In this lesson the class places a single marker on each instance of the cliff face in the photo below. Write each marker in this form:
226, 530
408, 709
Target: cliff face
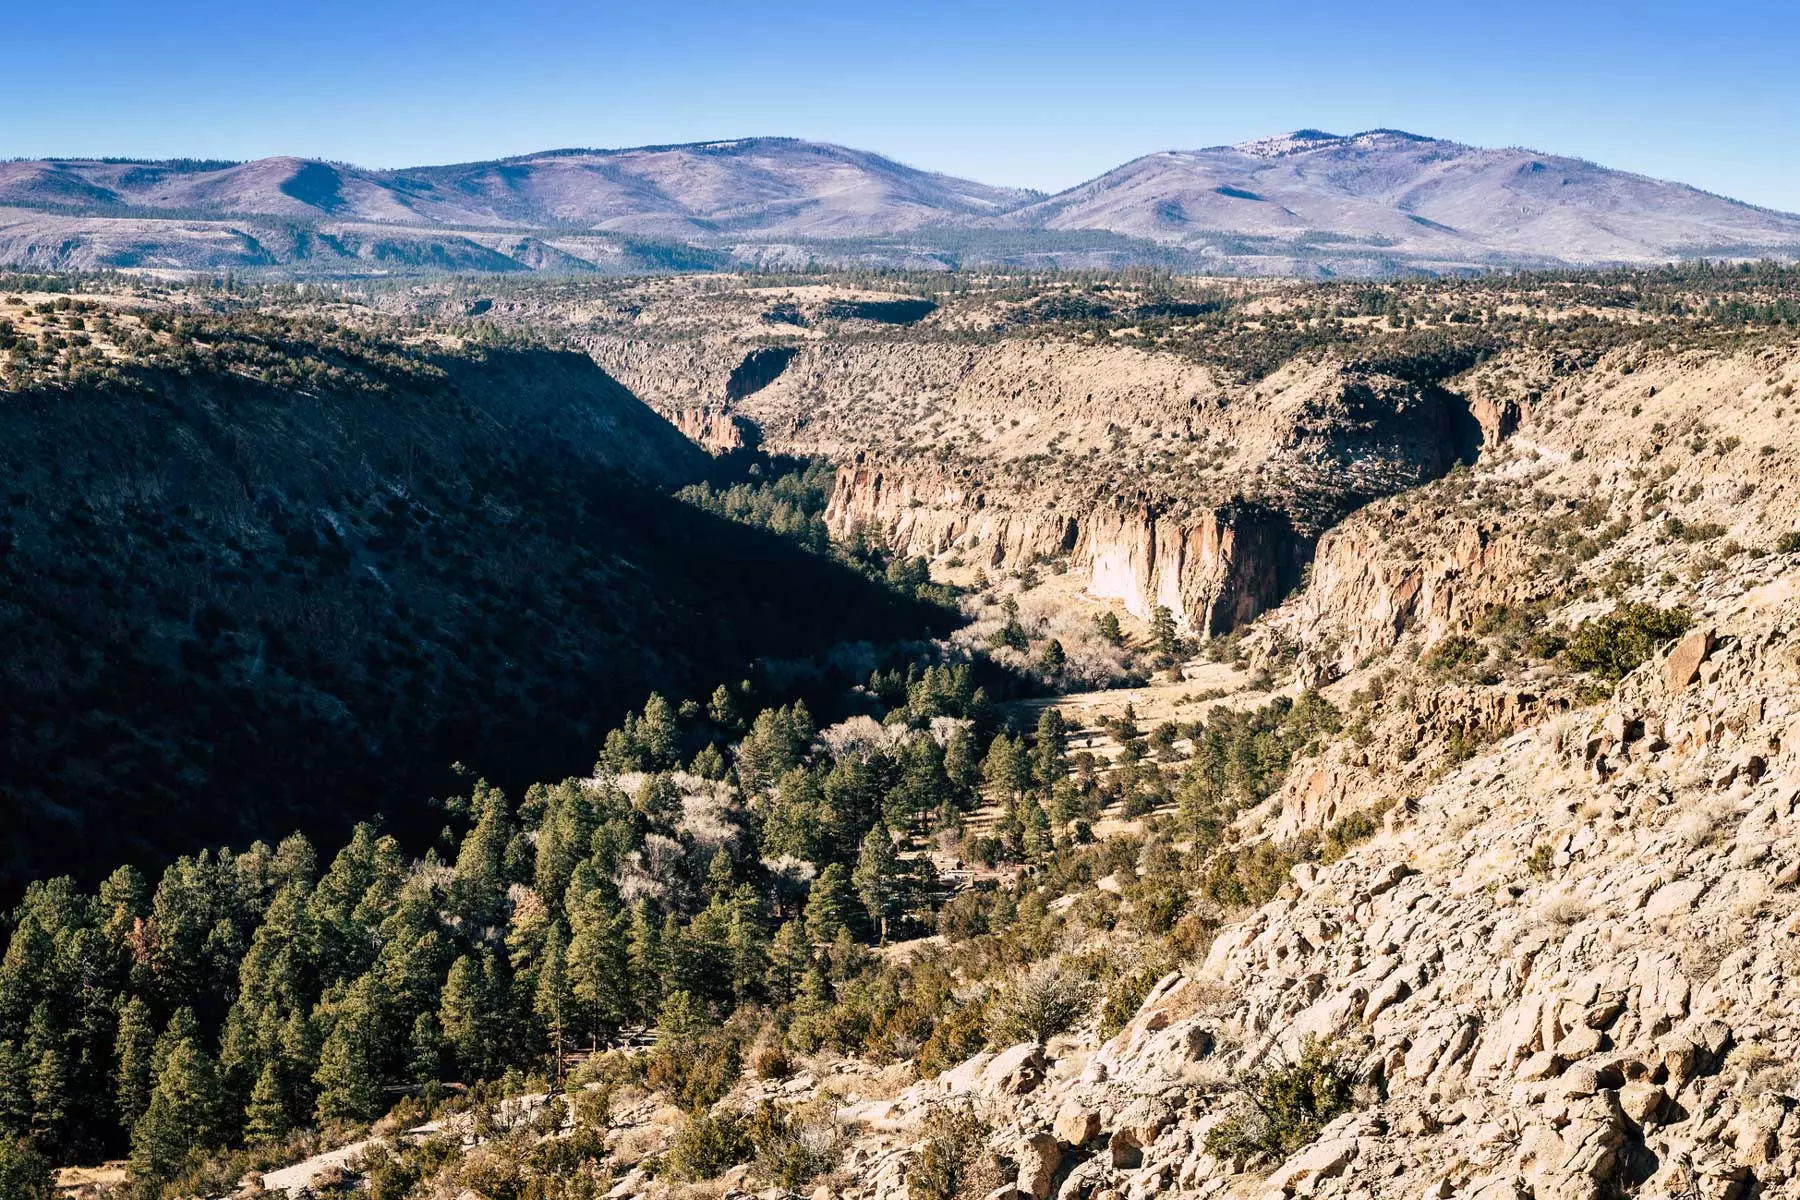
1162, 479
1214, 571
1214, 518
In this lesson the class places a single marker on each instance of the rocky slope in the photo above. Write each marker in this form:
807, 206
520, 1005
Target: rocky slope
1561, 966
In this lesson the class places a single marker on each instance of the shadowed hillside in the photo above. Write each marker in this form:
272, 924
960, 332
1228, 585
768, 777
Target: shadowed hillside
258, 573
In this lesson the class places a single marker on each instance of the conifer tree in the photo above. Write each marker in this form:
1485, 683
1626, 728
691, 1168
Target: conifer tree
183, 1112
267, 1119
790, 954
828, 906
658, 734
878, 877
599, 965
462, 1013
644, 953
24, 1173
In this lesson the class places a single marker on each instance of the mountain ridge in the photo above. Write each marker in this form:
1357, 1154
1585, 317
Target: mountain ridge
1373, 203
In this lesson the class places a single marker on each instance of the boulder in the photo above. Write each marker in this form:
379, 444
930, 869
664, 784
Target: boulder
1641, 1100
1683, 665
1015, 1070
1038, 1156
1077, 1124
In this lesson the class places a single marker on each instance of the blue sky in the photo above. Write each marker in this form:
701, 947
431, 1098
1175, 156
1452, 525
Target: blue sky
1043, 95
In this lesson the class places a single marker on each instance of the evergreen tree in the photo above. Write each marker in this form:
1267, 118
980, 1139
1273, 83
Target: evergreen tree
1006, 770
878, 877
790, 954
349, 1089
1163, 636
554, 999
463, 1016
645, 957
24, 1173
183, 1112
658, 734
599, 967
1049, 756
828, 906
267, 1119
722, 710
425, 1050
962, 765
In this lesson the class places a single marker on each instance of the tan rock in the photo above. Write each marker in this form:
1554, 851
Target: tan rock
1015, 1070
1683, 665
1641, 1100
1076, 1123
1038, 1156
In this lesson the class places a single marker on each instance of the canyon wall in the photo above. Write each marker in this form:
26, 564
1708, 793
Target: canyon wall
1214, 569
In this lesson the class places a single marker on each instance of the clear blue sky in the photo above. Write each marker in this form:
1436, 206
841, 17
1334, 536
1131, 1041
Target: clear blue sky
1043, 95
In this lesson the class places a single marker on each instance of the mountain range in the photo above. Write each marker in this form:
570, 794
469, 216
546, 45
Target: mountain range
1307, 203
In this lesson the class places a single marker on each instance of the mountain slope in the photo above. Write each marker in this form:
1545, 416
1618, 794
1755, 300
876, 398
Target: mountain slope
1305, 203
259, 571
774, 185
1413, 198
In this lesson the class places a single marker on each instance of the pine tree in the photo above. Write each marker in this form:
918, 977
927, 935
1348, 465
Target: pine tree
24, 1173
722, 710
962, 765
462, 1014
648, 970
267, 1119
348, 1082
828, 905
1006, 769
183, 1112
47, 1066
658, 734
1049, 756
554, 999
1163, 636
878, 877
790, 954
1107, 625
15, 1090
599, 965
425, 1050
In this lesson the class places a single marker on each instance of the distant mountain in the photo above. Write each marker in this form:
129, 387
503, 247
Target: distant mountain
769, 185
1416, 200
1305, 203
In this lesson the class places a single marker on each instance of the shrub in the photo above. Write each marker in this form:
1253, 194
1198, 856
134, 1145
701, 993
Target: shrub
1611, 646
1043, 1002
771, 1062
1126, 995
710, 1144
695, 1071
1346, 832
952, 1164
1283, 1107
794, 1147
957, 1035
24, 1173
1788, 542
